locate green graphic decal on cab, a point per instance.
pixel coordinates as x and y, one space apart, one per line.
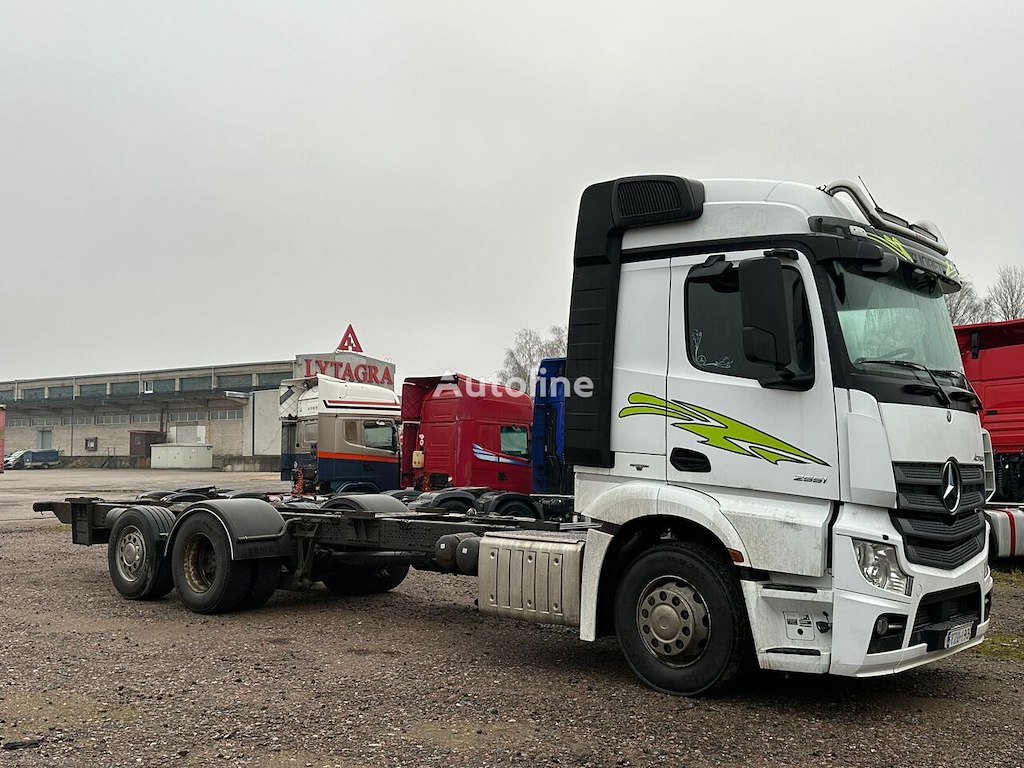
893 244
718 430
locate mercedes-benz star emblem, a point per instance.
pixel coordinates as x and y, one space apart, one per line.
951 486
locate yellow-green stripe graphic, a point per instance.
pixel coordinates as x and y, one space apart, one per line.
718 430
893 244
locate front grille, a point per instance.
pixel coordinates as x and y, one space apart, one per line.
919 485
940 612
941 541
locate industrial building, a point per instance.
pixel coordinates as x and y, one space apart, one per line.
231 411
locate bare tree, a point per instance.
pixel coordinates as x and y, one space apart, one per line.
966 306
1006 295
526 352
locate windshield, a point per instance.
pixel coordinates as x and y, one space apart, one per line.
901 316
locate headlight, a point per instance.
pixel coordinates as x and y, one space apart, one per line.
879 566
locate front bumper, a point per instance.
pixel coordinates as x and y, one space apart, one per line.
854 627
940 601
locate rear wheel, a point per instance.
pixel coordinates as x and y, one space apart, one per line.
366 580
681 620
519 509
135 554
208 580
266 577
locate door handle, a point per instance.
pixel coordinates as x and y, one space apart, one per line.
686 460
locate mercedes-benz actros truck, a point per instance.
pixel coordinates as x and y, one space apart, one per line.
776 460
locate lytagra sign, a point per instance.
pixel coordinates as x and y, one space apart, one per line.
347 363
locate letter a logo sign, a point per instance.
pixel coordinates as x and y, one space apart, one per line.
349 342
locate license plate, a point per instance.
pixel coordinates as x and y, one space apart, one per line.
958 635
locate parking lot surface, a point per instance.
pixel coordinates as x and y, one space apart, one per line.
417 677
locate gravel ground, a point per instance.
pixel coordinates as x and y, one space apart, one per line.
417 677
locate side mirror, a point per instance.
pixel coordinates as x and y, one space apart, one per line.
765 313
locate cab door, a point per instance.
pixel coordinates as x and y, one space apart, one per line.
767 454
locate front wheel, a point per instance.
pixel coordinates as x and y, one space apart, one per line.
681 620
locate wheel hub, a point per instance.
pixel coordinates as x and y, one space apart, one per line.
131 553
673 621
200 564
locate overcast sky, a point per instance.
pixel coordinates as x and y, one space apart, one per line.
203 183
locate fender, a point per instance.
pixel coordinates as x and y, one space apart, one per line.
255 529
358 486
431 499
368 504
630 501
491 502
625 503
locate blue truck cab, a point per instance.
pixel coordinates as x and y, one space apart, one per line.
550 472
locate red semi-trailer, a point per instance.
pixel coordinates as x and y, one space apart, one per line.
457 431
993 359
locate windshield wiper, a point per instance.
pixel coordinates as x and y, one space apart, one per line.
963 393
943 394
967 395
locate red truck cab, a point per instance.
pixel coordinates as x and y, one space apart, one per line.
457 431
993 358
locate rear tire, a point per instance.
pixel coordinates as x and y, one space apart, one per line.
135 554
266 577
208 580
681 619
366 580
519 509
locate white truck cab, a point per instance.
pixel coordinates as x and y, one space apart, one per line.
781 451
342 435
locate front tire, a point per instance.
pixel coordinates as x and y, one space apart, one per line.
208 580
681 620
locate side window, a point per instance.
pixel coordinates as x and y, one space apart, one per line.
351 432
379 434
714 325
515 441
